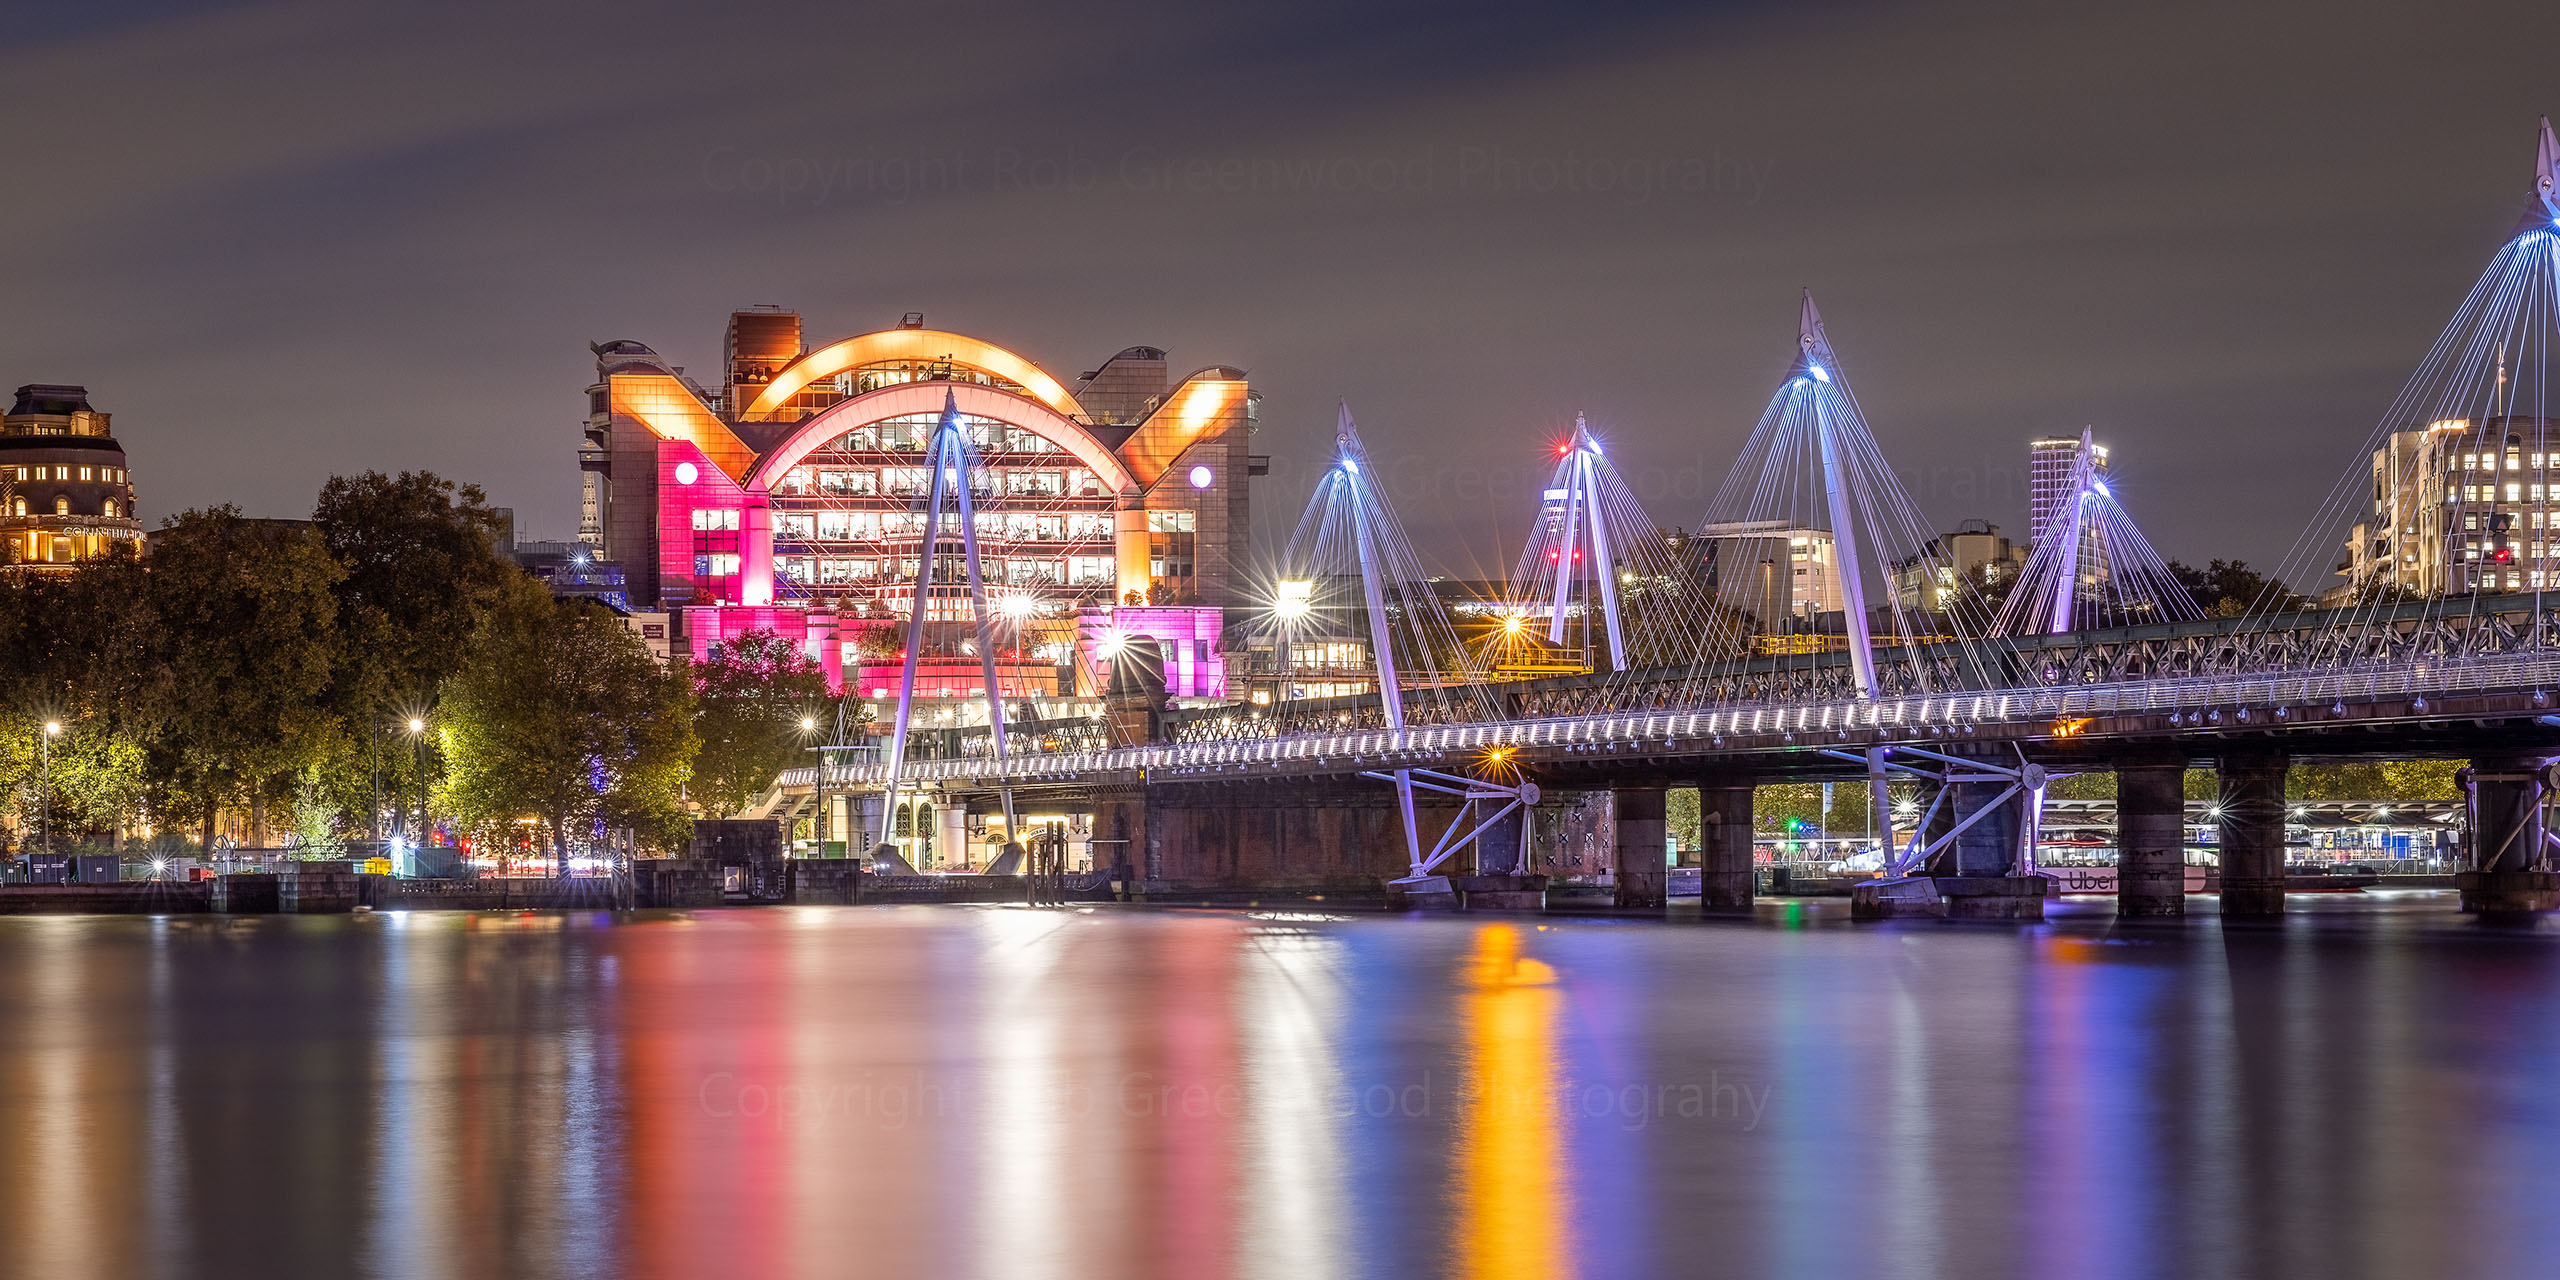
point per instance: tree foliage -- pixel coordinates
(750, 697)
(239, 659)
(557, 712)
(2231, 589)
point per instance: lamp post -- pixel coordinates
(418, 739)
(818, 826)
(52, 729)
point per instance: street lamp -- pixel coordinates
(418, 740)
(818, 825)
(52, 730)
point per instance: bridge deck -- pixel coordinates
(2396, 694)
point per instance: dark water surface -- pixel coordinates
(2371, 1089)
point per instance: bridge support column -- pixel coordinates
(2510, 875)
(2151, 821)
(1498, 845)
(2252, 803)
(1643, 881)
(1990, 846)
(1725, 873)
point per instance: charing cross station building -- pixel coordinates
(786, 495)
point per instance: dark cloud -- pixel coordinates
(279, 241)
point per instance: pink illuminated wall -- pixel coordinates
(687, 483)
(1188, 634)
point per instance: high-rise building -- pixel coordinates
(787, 497)
(2049, 462)
(65, 495)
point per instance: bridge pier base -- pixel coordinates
(2510, 877)
(2252, 803)
(1725, 875)
(1644, 879)
(1969, 878)
(2151, 818)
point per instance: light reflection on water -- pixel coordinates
(1019, 1093)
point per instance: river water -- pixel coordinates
(2368, 1089)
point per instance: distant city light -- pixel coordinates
(1296, 599)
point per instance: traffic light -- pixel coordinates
(2501, 549)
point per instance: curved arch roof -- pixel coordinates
(910, 344)
(1190, 409)
(971, 398)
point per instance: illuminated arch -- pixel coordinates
(909, 344)
(1204, 399)
(925, 398)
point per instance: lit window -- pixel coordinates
(18, 507)
(88, 473)
(109, 511)
(719, 565)
(62, 473)
(62, 506)
(2515, 492)
(715, 520)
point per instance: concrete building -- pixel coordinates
(2459, 508)
(1977, 553)
(1773, 571)
(65, 495)
(785, 496)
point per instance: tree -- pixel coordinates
(72, 653)
(559, 713)
(749, 698)
(2231, 589)
(238, 660)
(421, 565)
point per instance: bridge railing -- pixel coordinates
(2241, 697)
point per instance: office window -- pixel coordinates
(715, 520)
(716, 565)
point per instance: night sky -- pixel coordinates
(278, 241)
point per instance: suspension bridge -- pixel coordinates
(1814, 628)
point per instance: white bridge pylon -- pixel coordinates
(1813, 497)
(1595, 552)
(2092, 568)
(1349, 538)
(953, 464)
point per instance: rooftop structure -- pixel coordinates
(65, 495)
